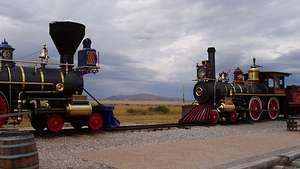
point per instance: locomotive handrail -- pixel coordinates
(27, 83)
(259, 94)
(37, 62)
(204, 79)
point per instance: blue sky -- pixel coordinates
(152, 46)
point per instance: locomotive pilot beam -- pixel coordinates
(253, 95)
(52, 96)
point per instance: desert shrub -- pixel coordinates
(132, 111)
(160, 108)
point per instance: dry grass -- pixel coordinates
(24, 123)
(122, 107)
(145, 117)
(140, 102)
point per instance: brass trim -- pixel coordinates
(79, 97)
(240, 87)
(198, 91)
(79, 110)
(38, 62)
(42, 79)
(9, 73)
(258, 94)
(253, 74)
(62, 77)
(233, 87)
(59, 87)
(9, 78)
(227, 105)
(27, 83)
(23, 77)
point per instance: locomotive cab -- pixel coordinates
(275, 81)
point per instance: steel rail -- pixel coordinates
(149, 126)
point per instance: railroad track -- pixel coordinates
(157, 126)
(69, 131)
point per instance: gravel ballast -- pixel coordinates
(65, 151)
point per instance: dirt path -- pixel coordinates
(192, 154)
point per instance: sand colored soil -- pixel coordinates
(192, 154)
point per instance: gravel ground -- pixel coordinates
(62, 151)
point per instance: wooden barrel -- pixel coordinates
(18, 150)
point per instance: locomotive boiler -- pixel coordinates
(252, 95)
(50, 95)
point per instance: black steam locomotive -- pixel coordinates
(253, 95)
(51, 96)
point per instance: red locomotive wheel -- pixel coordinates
(95, 121)
(3, 110)
(255, 108)
(273, 108)
(233, 116)
(214, 116)
(55, 123)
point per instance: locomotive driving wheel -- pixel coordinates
(273, 108)
(255, 108)
(3, 110)
(95, 121)
(55, 123)
(233, 117)
(214, 116)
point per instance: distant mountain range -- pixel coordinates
(142, 96)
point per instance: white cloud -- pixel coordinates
(160, 41)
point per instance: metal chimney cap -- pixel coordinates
(66, 23)
(66, 36)
(5, 45)
(211, 49)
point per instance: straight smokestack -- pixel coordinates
(211, 59)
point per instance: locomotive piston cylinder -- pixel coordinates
(227, 105)
(79, 110)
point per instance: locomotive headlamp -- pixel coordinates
(199, 91)
(59, 87)
(201, 73)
